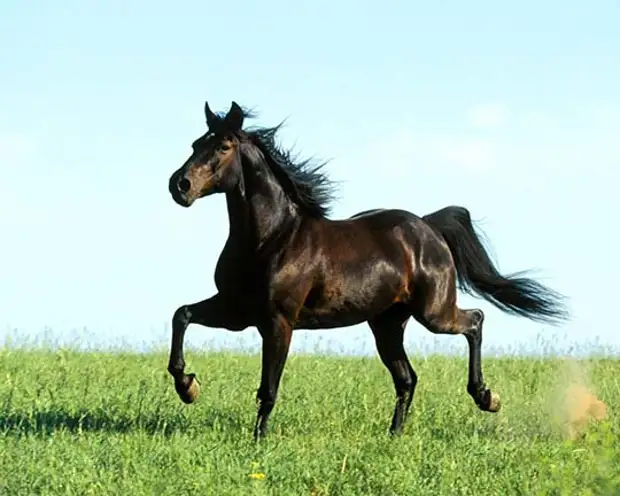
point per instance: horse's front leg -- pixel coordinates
(212, 312)
(276, 334)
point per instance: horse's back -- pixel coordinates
(402, 236)
(408, 225)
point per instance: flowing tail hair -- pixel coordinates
(514, 294)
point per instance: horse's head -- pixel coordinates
(215, 163)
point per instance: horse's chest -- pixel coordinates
(235, 272)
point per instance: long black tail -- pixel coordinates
(514, 294)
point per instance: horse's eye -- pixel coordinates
(224, 147)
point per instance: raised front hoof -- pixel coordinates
(188, 388)
(490, 402)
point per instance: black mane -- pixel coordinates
(312, 189)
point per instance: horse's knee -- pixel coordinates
(405, 385)
(266, 398)
(266, 394)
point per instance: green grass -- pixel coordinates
(96, 423)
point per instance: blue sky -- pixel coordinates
(510, 110)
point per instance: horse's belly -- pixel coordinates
(343, 306)
(329, 320)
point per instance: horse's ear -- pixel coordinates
(234, 117)
(211, 117)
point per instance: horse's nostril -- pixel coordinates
(184, 185)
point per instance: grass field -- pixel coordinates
(96, 423)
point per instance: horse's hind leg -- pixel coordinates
(438, 312)
(388, 329)
(485, 399)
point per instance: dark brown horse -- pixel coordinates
(287, 266)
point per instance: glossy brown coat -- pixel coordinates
(287, 266)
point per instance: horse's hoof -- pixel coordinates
(491, 402)
(188, 388)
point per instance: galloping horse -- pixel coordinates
(286, 266)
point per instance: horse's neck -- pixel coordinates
(238, 214)
(259, 209)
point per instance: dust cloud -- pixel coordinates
(575, 404)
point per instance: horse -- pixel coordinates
(287, 265)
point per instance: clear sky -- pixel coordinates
(510, 109)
